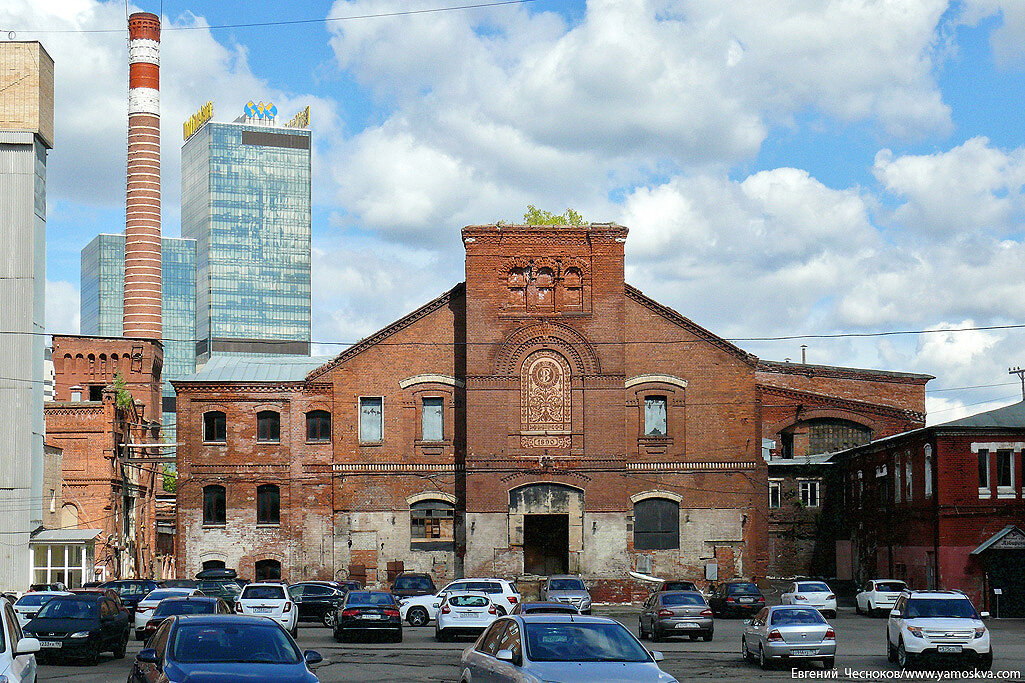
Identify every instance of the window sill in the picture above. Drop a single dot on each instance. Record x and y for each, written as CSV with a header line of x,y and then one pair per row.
x,y
371,443
1006,493
215,443
268,525
258,441
318,441
214,526
985,493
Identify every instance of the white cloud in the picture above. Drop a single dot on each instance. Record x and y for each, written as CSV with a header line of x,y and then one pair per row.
x,y
1008,40
63,313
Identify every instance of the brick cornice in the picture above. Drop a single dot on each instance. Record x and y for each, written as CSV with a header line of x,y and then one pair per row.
x,y
839,372
811,398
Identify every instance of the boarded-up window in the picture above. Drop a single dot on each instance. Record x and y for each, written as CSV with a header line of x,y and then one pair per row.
x,y
370,412
656,524
432,519
432,419
655,416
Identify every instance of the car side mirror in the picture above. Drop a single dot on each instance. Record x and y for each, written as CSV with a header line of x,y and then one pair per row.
x,y
147,656
312,657
657,656
984,615
26,646
895,613
504,656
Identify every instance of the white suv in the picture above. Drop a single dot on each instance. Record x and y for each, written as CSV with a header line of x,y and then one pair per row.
x,y
269,600
419,610
17,658
878,596
937,624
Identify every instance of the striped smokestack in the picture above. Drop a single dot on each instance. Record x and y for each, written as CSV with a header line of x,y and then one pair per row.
x,y
142,216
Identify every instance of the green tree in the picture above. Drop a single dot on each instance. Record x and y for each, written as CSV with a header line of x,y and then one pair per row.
x,y
122,398
170,473
536,216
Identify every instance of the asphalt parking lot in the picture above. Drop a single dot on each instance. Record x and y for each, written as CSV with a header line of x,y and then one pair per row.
x,y
860,641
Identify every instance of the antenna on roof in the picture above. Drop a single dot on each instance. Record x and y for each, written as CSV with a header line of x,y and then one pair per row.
x,y
1017,370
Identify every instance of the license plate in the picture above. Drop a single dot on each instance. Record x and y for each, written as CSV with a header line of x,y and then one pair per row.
x,y
747,600
686,624
50,643
803,653
262,610
370,616
948,649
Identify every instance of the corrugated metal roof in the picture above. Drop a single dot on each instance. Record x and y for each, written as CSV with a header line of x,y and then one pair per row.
x,y
270,368
1009,417
65,535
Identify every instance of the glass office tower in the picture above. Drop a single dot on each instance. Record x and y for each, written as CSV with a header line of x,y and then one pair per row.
x,y
102,303
246,202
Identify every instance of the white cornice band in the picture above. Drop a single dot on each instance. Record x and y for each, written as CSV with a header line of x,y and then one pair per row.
x,y
431,379
661,379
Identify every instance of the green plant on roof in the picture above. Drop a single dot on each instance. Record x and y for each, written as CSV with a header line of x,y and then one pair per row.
x,y
536,216
122,399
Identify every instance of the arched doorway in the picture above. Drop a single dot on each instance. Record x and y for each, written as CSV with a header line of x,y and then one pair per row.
x,y
268,569
213,564
546,519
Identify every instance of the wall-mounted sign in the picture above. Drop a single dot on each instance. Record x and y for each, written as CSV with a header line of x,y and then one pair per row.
x,y
300,120
204,114
260,111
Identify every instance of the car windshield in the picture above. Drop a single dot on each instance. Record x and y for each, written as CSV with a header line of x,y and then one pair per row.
x,y
741,588
673,599
468,601
417,583
678,586
162,593
813,587
940,608
796,617
233,642
369,599
34,600
549,609
566,585
132,589
891,587
220,589
170,607
582,642
263,593
70,609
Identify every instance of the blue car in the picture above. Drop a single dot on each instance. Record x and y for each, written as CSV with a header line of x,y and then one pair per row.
x,y
222,648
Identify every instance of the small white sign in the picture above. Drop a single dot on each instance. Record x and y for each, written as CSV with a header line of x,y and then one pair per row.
x,y
998,591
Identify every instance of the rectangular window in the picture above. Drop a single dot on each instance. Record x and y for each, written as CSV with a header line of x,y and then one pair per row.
x,y
907,476
432,421
896,481
1005,474
655,408
774,494
370,419
809,491
984,489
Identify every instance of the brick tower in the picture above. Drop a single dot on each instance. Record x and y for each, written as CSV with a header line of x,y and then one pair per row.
x,y
142,217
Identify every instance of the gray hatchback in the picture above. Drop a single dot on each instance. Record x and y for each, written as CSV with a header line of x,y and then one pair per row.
x,y
676,613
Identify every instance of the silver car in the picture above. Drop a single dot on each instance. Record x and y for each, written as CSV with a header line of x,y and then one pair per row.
x,y
567,589
538,648
788,633
676,613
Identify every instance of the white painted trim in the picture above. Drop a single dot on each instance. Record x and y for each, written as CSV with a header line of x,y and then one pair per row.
x,y
645,495
144,101
662,379
431,379
1017,446
430,495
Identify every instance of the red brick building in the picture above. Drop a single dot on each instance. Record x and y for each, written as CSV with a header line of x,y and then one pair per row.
x,y
544,416
98,436
943,507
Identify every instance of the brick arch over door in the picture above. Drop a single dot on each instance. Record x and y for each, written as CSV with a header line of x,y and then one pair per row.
x,y
574,346
824,414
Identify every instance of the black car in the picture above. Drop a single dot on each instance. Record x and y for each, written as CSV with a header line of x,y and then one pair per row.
x,y
411,584
674,585
191,604
132,591
177,583
736,597
80,626
225,590
317,601
366,612
544,608
219,573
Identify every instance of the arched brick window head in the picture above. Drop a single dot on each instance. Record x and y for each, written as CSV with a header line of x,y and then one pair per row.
x,y
213,505
215,427
268,426
545,399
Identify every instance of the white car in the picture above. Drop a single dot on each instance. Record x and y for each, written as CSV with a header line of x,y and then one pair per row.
x,y
28,605
420,610
878,596
464,613
17,658
811,594
269,600
144,610
939,625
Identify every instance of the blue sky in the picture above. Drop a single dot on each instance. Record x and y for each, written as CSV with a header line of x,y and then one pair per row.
x,y
813,168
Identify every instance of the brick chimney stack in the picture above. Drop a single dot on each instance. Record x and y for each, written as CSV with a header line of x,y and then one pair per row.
x,y
142,216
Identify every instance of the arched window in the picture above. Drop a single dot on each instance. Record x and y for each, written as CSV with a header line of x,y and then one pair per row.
x,y
656,524
213,505
215,427
268,504
574,281
267,570
432,520
928,470
318,425
213,564
268,426
69,516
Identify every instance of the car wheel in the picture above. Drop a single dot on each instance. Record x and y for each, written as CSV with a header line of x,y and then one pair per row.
x,y
295,631
140,636
905,659
440,636
417,617
829,663
656,635
641,633
857,607
397,638
707,637
763,661
121,648
500,610
748,657
339,636
93,658
329,619
986,661
891,653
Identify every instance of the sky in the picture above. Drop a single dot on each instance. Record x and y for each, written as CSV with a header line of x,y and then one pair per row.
x,y
801,167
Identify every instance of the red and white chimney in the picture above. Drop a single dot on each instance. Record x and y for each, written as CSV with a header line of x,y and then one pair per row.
x,y
142,216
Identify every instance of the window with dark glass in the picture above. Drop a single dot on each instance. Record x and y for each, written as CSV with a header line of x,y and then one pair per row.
x,y
984,469
829,436
656,524
370,419
268,504
432,419
318,425
267,570
1005,469
215,427
655,423
809,491
213,505
268,426
774,494
432,519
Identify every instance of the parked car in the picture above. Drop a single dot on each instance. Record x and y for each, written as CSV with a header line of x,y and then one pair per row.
x,y
535,648
419,610
878,596
178,583
81,626
225,590
193,604
736,597
939,625
675,585
544,608
223,648
17,658
131,591
787,633
108,592
218,574
37,587
568,589
317,601
29,604
269,600
144,610
368,612
464,613
349,585
676,613
811,594
410,584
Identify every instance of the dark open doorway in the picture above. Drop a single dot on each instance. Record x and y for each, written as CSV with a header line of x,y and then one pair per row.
x,y
545,544
1005,575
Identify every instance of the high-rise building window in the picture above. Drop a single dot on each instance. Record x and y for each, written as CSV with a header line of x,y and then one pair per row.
x,y
268,426
215,427
268,504
432,419
214,512
318,425
370,419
